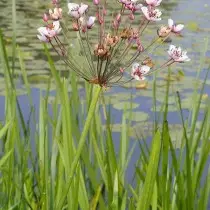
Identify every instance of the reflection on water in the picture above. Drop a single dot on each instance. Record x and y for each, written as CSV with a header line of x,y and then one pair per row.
x,y
193,13
195,16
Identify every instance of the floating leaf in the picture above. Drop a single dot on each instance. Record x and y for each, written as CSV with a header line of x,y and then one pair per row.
x,y
143,85
139,116
193,26
127,104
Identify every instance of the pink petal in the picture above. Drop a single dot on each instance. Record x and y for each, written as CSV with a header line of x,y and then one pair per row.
x,y
178,27
150,2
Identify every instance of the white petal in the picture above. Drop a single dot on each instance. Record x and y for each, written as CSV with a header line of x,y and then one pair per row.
x,y
91,21
50,11
155,19
58,31
74,14
146,12
56,25
178,27
183,58
135,66
145,69
170,23
138,6
73,6
83,8
42,30
149,2
158,2
172,47
43,38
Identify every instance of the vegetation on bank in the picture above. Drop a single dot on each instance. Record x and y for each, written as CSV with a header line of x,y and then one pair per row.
x,y
49,167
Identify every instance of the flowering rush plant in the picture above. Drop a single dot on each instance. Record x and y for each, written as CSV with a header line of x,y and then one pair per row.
x,y
116,54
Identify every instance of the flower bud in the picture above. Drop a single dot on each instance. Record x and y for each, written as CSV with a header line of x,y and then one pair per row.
x,y
45,17
163,31
55,2
121,70
75,26
118,17
96,2
131,16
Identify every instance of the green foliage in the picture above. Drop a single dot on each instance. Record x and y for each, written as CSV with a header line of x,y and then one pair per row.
x,y
75,164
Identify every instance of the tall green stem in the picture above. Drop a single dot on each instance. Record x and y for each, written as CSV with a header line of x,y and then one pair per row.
x,y
82,140
96,93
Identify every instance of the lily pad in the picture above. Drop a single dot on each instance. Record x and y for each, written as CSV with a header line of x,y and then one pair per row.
x,y
193,26
125,104
139,116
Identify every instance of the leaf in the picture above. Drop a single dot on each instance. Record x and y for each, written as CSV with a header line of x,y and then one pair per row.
x,y
127,104
139,116
146,194
5,157
193,26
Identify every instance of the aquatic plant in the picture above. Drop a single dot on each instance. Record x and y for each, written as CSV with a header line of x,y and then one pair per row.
x,y
115,45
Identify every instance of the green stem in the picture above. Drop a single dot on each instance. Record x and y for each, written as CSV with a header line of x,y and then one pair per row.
x,y
96,93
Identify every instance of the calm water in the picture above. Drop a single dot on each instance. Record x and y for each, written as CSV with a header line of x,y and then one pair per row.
x,y
193,13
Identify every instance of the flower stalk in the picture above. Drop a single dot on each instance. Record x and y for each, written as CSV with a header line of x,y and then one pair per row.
x,y
117,47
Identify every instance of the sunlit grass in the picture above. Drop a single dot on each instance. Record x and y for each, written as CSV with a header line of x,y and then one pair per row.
x,y
74,164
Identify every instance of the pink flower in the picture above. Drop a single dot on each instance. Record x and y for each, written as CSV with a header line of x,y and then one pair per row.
x,y
153,3
91,22
138,71
116,22
121,70
151,13
96,2
87,23
174,27
140,47
45,17
132,5
76,10
49,32
55,2
56,14
177,54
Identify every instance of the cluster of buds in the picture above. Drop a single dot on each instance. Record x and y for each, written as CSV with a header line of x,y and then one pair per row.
x,y
117,47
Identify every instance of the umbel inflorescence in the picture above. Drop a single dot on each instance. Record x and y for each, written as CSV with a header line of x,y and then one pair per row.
x,y
116,54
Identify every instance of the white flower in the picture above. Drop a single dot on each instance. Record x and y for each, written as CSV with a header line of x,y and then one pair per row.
x,y
48,32
138,71
177,54
76,10
151,13
175,28
153,3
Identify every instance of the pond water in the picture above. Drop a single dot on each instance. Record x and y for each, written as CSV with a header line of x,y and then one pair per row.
x,y
193,13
